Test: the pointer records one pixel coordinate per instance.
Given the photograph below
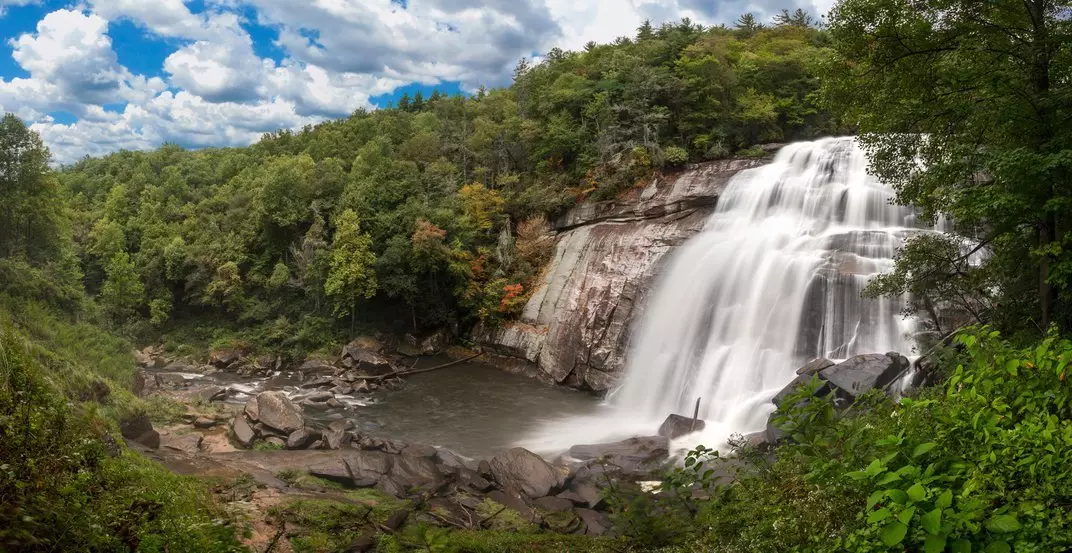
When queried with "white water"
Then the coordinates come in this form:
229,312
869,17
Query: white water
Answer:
773,281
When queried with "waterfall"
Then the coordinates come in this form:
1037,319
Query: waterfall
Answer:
773,280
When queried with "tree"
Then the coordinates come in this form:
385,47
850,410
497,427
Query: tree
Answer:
645,31
30,222
352,275
798,17
964,107
748,25
123,291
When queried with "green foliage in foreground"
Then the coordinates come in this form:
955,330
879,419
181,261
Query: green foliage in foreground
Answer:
67,485
981,464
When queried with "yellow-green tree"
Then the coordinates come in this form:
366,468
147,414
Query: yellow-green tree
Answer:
352,275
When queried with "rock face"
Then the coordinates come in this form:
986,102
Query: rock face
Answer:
575,328
634,454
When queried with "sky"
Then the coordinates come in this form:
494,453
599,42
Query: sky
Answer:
96,76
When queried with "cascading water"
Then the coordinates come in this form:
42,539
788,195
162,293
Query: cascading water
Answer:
774,280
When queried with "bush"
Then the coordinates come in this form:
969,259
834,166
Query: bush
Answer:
68,485
675,156
983,463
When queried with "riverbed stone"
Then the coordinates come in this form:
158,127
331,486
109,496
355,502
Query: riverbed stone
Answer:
413,472
863,373
524,471
243,432
634,454
419,450
251,409
334,470
139,428
276,410
553,504
223,358
368,362
301,438
676,426
595,522
336,439
204,422
515,502
814,366
319,397
276,441
144,383
186,443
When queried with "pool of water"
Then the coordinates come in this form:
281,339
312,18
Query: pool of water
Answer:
473,409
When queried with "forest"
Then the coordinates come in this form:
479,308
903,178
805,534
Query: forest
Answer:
433,213
436,213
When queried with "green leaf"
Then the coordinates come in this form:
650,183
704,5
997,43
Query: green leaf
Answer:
897,496
889,478
961,546
1011,365
1003,524
855,475
934,544
879,515
894,533
998,547
875,468
874,499
905,516
922,449
916,493
932,521
945,500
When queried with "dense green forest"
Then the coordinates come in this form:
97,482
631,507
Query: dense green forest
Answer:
433,212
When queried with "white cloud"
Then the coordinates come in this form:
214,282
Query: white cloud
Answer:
339,54
4,4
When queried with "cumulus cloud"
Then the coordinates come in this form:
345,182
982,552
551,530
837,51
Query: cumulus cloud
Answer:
338,55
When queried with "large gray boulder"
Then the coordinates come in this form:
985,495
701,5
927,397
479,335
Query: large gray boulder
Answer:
676,426
274,409
140,429
634,454
367,362
524,471
301,438
863,373
242,431
801,380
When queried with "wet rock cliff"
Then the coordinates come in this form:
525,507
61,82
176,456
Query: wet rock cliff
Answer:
575,328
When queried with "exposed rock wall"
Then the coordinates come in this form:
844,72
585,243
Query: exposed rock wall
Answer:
575,328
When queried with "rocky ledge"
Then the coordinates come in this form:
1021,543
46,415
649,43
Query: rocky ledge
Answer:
575,328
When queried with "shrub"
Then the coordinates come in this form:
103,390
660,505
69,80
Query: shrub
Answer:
675,156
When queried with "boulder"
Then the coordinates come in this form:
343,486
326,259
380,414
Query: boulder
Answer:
524,471
142,359
140,429
863,373
514,502
186,443
415,472
367,343
336,439
435,343
450,460
275,410
634,454
319,397
251,410
595,523
334,470
801,380
419,450
585,494
676,426
212,393
473,480
814,366
181,367
224,357
204,422
144,383
368,464
301,438
553,504
368,362
276,441
316,366
263,430
242,431
318,382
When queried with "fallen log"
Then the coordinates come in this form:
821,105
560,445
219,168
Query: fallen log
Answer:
419,371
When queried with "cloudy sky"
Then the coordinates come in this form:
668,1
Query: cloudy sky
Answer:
95,76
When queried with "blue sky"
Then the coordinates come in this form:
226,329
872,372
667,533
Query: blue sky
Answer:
96,76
